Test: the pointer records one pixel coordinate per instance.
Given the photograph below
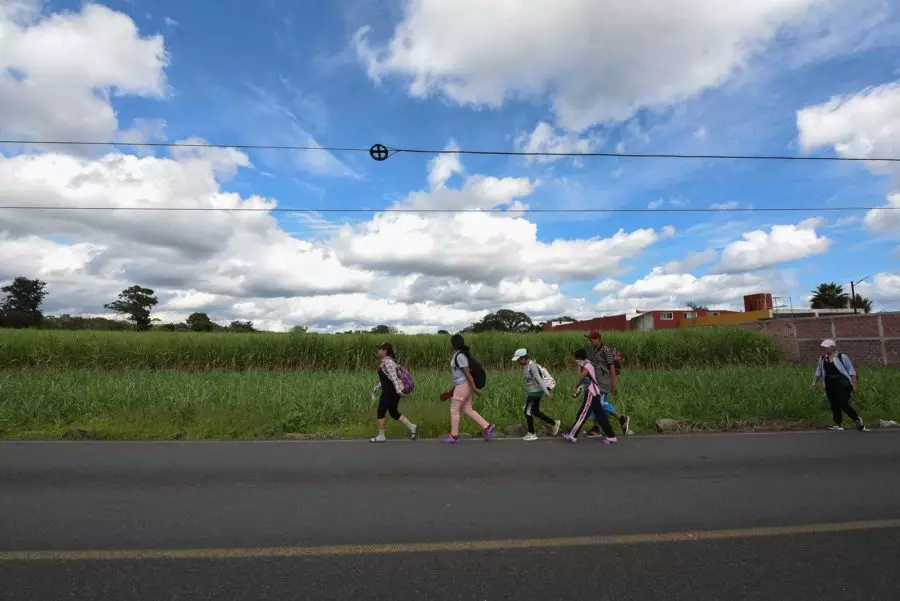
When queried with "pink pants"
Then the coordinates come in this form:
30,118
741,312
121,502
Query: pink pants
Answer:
462,400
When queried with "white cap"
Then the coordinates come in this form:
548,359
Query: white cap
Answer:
519,354
828,343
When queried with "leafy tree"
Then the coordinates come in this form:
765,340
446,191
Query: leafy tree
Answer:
862,303
829,296
443,333
241,327
135,302
693,306
504,320
199,322
383,330
22,306
299,330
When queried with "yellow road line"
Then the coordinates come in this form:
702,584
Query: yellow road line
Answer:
444,547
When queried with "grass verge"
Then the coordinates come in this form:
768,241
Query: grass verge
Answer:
48,403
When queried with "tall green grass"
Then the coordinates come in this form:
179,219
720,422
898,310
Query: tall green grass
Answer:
694,347
264,404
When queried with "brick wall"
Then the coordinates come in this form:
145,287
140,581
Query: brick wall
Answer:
867,339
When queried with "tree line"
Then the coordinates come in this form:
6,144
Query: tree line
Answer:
21,308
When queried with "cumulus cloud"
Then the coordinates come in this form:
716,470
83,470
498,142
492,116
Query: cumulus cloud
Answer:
545,138
597,61
660,289
781,244
481,246
863,125
691,262
59,72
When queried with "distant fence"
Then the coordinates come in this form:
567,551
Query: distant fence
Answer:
867,339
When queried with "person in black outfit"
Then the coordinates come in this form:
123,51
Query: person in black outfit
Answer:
391,392
839,375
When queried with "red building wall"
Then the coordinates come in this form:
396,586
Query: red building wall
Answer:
612,323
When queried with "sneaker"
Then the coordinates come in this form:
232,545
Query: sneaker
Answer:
569,438
612,440
556,427
835,428
489,432
861,426
625,422
451,440
530,437
379,438
414,433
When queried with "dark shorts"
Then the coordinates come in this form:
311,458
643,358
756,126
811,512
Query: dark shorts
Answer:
389,403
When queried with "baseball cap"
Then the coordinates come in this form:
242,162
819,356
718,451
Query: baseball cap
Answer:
519,354
828,343
593,335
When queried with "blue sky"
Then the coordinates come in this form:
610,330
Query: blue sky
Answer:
302,73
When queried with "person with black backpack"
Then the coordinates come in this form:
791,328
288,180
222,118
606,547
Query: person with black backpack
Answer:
841,382
469,378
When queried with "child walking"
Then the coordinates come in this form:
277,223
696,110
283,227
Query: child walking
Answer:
593,398
391,392
535,389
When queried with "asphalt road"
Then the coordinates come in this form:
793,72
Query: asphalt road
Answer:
85,496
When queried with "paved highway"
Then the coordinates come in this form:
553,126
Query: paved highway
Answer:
767,516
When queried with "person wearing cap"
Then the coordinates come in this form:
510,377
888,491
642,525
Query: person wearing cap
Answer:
604,361
837,371
535,389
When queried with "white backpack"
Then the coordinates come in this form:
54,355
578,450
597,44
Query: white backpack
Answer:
549,382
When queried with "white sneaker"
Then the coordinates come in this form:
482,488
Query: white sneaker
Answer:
556,427
530,437
835,428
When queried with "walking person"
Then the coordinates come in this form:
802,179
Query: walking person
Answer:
463,390
535,389
391,392
593,399
839,375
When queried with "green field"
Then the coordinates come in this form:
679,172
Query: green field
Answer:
128,385
694,347
47,403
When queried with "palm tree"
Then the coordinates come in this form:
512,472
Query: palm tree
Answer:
862,303
829,296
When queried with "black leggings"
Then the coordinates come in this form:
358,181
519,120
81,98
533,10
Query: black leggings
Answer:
390,403
839,397
533,410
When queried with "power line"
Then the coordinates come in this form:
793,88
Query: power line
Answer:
414,210
376,150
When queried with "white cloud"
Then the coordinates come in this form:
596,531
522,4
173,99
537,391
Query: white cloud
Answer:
691,262
597,61
481,246
545,138
444,166
659,289
608,285
782,244
725,206
59,72
863,125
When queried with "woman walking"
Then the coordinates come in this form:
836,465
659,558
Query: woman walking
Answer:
840,383
592,400
391,392
463,389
